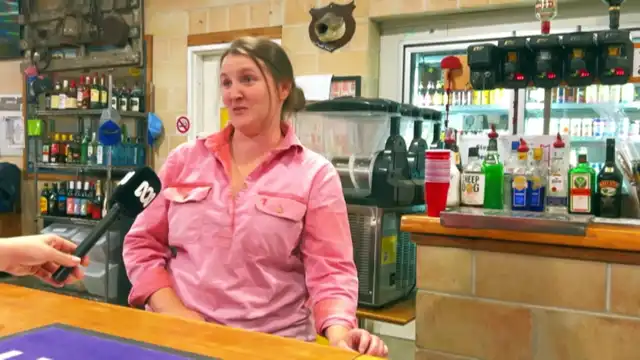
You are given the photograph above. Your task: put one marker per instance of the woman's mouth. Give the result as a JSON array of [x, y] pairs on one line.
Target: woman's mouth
[[239, 110]]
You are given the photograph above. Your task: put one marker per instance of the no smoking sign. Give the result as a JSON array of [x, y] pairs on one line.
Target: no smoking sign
[[183, 124]]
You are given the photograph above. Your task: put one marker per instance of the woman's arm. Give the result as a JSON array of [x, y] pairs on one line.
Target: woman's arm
[[327, 250], [146, 249]]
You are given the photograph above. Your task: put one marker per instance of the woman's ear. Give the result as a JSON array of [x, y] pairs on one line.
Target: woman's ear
[[284, 89]]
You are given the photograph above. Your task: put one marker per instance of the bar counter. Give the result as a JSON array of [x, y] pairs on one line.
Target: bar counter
[[22, 309], [488, 294]]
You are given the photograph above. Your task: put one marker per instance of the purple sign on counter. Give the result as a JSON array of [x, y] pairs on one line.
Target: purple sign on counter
[[63, 342]]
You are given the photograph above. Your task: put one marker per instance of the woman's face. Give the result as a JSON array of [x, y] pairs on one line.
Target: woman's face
[[253, 100]]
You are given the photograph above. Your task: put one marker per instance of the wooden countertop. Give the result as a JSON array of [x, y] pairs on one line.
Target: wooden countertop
[[598, 236], [400, 313], [23, 309]]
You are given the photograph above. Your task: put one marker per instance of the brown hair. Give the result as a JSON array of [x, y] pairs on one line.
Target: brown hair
[[276, 61]]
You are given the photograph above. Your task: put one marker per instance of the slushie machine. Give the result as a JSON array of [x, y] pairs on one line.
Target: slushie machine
[[377, 148]]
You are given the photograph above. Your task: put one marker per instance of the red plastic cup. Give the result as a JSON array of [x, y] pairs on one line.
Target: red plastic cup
[[435, 197], [437, 155]]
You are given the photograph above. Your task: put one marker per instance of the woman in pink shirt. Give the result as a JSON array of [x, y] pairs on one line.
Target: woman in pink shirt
[[251, 229]]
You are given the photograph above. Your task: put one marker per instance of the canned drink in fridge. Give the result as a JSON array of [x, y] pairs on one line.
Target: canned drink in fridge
[[587, 127], [597, 127]]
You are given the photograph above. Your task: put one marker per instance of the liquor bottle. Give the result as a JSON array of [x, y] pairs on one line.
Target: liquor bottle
[[472, 186], [100, 154], [123, 99], [77, 199], [76, 147], [95, 93], [44, 200], [71, 193], [62, 200], [453, 196], [493, 171], [436, 143], [582, 185], [91, 150], [115, 97], [520, 179], [85, 200], [537, 183], [46, 149], [55, 96], [69, 149], [53, 200], [86, 93], [84, 149], [63, 95], [557, 185], [80, 94], [104, 93], [509, 165], [64, 149], [136, 101], [609, 204], [72, 96], [96, 208]]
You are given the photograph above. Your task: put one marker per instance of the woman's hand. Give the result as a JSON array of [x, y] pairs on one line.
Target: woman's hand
[[359, 340], [40, 256]]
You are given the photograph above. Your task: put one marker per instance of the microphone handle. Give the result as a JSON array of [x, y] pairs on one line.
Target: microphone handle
[[89, 242]]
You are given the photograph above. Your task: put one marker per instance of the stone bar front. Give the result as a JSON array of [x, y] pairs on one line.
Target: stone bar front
[[510, 295]]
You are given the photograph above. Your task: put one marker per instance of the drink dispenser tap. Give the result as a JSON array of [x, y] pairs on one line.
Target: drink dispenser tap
[[547, 70], [517, 62], [580, 58], [616, 49], [484, 65]]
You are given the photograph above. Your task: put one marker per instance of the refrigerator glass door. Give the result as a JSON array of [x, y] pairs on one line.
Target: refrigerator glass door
[[471, 111]]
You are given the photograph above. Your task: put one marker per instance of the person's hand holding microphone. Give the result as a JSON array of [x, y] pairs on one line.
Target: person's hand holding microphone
[[40, 256]]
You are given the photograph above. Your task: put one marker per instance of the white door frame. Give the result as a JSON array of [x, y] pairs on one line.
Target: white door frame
[[195, 82]]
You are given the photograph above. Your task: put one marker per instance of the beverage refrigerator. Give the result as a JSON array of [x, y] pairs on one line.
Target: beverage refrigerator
[[587, 116]]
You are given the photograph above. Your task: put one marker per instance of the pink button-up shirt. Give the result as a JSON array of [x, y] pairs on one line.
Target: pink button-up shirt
[[265, 261]]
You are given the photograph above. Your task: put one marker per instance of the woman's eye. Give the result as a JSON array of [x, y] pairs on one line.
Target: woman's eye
[[247, 79], [226, 83]]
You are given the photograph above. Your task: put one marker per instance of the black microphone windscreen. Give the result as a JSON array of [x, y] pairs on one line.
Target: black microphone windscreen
[[136, 191]]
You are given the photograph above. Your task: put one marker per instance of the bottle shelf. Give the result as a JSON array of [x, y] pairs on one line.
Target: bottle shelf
[[69, 220], [586, 108], [473, 109], [89, 112], [86, 168]]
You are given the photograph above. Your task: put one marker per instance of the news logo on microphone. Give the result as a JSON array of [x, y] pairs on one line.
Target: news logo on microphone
[[136, 191]]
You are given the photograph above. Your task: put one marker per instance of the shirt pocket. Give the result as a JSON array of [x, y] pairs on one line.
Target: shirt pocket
[[279, 220], [188, 207]]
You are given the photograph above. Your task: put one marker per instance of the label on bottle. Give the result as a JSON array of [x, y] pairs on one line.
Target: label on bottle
[[62, 103], [72, 102], [491, 159], [90, 158], [103, 97], [135, 106], [99, 155], [53, 207], [70, 206], [45, 153], [124, 103], [62, 205], [519, 192], [83, 207], [95, 96], [44, 205], [114, 102], [55, 102], [536, 191], [79, 98], [609, 190], [580, 193], [76, 206], [473, 189]]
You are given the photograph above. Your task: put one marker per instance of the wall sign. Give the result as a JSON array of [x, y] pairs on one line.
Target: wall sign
[[332, 26]]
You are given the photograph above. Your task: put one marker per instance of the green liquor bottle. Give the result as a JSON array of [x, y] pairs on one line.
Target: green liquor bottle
[[493, 172], [582, 187]]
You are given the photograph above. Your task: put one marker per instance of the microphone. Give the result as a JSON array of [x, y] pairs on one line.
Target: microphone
[[131, 196]]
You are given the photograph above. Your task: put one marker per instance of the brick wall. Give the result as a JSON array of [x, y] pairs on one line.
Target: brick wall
[[478, 305], [170, 22]]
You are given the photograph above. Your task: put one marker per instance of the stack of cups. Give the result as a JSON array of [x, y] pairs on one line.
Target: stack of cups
[[436, 181]]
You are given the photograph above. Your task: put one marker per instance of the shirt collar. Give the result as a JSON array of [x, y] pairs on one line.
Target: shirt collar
[[221, 140]]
